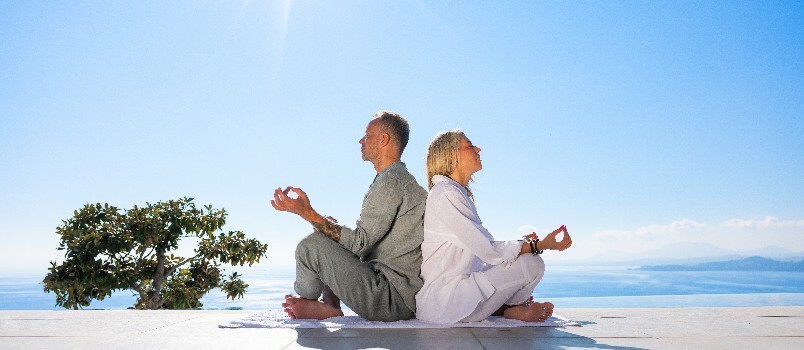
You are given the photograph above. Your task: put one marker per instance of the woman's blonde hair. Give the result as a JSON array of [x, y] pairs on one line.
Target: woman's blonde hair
[[442, 154]]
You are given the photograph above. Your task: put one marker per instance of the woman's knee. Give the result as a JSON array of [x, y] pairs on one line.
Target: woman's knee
[[533, 266]]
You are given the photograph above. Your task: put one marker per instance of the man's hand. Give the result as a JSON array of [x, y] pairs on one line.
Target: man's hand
[[550, 242], [299, 206]]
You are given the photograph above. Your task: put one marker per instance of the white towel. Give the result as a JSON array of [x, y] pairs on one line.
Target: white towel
[[278, 319]]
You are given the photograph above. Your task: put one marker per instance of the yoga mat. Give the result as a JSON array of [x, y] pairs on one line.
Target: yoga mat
[[278, 319]]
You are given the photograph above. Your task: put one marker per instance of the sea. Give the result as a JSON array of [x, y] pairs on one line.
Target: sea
[[564, 286]]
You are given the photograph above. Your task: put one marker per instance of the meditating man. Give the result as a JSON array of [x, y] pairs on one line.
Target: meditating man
[[373, 268]]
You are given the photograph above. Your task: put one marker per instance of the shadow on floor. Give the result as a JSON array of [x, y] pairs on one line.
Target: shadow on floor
[[451, 338]]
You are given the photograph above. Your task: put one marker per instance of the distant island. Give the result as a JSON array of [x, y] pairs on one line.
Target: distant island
[[754, 263]]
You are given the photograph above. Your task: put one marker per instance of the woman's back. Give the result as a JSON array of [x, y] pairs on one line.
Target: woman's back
[[453, 240]]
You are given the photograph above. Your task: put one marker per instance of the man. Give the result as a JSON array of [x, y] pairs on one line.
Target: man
[[374, 268]]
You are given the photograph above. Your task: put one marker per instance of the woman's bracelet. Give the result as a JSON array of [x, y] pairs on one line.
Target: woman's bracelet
[[533, 244], [533, 247]]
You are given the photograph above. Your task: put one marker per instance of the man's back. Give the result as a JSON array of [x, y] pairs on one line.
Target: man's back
[[373, 268], [389, 232]]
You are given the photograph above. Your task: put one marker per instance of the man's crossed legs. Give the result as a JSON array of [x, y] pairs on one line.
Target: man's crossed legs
[[323, 266]]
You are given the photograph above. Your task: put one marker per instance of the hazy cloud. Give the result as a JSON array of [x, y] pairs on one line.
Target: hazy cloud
[[674, 228], [526, 229], [733, 234], [655, 232], [768, 222]]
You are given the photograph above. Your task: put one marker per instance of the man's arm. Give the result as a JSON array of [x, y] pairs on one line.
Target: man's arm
[[327, 227], [381, 209], [301, 206]]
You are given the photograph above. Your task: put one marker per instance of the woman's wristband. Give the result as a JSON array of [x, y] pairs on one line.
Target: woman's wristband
[[534, 247]]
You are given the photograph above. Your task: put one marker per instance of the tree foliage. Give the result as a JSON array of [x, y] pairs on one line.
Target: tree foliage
[[111, 250]]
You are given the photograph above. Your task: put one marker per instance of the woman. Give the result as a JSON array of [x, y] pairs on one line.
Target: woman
[[467, 276]]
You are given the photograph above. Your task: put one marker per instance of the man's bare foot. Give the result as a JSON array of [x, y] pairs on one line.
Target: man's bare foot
[[285, 306], [530, 312], [302, 308], [328, 297]]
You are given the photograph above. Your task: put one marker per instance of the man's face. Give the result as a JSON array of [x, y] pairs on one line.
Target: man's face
[[369, 144]]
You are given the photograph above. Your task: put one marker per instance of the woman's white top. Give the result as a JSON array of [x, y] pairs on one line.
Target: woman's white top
[[455, 252]]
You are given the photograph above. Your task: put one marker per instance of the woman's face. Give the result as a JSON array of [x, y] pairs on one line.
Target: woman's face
[[468, 157]]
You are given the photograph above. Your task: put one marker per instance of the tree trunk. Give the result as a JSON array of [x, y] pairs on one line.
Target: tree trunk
[[71, 293], [155, 299]]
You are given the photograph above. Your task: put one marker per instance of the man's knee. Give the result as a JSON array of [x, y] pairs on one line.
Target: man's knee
[[310, 244], [308, 265]]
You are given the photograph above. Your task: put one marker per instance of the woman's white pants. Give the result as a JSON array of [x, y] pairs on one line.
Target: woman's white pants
[[513, 285]]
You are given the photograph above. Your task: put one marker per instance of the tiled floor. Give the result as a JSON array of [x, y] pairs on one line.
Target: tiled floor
[[691, 328]]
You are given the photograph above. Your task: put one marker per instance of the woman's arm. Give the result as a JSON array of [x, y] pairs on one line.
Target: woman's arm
[[550, 242], [454, 217]]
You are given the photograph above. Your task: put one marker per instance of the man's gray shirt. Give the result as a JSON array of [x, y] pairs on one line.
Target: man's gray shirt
[[390, 230]]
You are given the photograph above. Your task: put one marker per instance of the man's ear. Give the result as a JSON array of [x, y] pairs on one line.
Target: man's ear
[[385, 139]]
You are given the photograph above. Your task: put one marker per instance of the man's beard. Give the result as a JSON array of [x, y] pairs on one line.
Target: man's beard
[[367, 155]]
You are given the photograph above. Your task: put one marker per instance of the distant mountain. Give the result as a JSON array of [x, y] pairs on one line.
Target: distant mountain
[[775, 252], [688, 253], [754, 263], [677, 253], [688, 250], [682, 261]]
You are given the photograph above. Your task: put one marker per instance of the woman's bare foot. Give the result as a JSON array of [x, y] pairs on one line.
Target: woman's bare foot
[[549, 307], [303, 308], [530, 312]]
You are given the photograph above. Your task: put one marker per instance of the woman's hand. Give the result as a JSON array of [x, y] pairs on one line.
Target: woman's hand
[[550, 241]]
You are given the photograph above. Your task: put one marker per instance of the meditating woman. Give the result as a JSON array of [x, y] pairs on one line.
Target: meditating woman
[[467, 275]]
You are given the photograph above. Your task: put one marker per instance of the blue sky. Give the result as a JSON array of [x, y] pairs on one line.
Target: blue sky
[[637, 124]]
